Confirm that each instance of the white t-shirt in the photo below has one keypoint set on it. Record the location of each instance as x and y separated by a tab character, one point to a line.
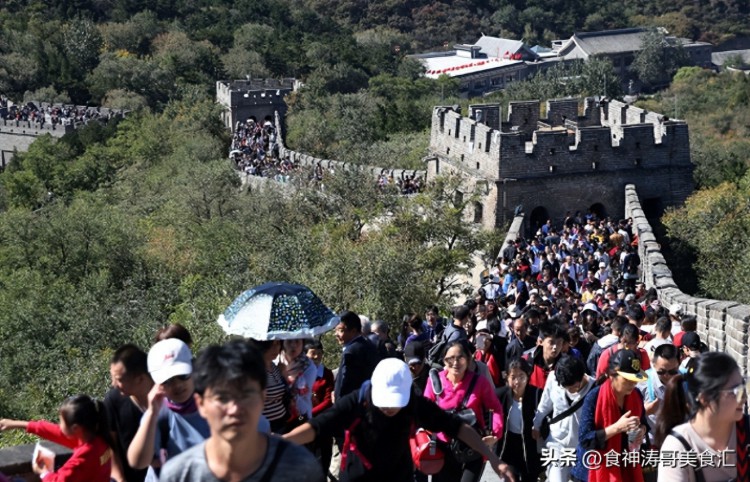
725	468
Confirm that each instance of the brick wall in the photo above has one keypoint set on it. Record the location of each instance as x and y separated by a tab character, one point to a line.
18	136
723	325
575	159
308	160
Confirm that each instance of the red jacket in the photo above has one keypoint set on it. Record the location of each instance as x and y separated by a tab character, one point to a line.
322	391
489	359
90	462
540	372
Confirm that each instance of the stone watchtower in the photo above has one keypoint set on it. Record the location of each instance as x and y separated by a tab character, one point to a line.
257	99
575	157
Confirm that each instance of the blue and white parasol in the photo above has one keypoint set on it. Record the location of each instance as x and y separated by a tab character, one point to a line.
278	311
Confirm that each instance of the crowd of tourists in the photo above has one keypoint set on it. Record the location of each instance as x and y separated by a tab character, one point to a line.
255	152
51	115
406	185
550	372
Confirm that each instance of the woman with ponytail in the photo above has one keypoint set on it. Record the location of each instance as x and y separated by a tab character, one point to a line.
83	428
703	414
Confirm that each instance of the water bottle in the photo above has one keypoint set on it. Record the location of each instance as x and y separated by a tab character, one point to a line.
634	444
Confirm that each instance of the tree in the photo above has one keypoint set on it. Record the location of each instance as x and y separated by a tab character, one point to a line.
82	42
714	222
657	60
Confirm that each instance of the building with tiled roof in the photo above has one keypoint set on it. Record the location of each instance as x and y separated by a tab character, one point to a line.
621	47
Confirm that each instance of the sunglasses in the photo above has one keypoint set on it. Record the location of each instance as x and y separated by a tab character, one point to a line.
661	373
740	391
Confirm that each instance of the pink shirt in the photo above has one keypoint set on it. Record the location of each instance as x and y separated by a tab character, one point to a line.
481	400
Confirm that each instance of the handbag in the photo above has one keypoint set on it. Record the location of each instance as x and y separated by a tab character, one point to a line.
427	456
462	452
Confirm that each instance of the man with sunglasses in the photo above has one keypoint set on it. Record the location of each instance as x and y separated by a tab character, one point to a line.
664	367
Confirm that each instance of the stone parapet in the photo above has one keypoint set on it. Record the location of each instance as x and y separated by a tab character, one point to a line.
722	325
16	461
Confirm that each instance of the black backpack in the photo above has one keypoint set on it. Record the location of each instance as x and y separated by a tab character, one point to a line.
632	261
437	351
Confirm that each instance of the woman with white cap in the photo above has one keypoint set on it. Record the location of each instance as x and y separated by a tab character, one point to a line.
380	418
171	424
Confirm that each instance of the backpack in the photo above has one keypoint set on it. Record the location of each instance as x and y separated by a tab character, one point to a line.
632	261
437	351
593	360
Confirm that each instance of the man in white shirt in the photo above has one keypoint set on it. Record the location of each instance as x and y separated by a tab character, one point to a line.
566	386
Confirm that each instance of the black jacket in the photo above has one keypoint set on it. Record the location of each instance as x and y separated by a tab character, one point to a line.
357	364
384	441
529	402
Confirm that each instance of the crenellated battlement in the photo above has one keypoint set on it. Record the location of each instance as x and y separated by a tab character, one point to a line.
571	137
565	143
41	118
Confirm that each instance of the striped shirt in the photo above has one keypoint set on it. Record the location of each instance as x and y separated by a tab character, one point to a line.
274	408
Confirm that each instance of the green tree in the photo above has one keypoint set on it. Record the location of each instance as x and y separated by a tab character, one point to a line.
657	60
714	222
82	42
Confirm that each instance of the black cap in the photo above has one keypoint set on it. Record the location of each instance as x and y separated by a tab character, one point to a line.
414	352
627	364
691	340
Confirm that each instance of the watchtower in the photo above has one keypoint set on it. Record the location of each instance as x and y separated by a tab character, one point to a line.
562	155
256	99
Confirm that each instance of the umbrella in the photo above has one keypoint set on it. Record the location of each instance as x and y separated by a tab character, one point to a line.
277	311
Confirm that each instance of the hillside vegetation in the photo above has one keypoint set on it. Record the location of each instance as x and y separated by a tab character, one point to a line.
714	223
114	231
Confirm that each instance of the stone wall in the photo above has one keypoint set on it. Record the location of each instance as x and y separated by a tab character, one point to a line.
515	231
723	325
310	161
18	136
577	154
16	461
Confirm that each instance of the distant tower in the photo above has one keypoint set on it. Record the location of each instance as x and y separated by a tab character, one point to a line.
258	99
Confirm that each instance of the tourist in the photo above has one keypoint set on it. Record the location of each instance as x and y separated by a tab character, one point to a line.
171	422
82	428
561	402
229	382
613	419
300	374
125	404
461	389
717	394
519	399
380	417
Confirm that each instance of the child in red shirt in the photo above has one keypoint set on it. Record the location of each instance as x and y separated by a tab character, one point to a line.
83	428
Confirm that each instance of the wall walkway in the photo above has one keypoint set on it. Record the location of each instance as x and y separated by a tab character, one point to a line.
310	161
722	325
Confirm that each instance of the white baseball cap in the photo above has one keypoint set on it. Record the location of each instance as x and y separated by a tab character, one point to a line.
169	358
391	384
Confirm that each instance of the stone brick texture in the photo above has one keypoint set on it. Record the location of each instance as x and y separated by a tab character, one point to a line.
722	325
577	155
